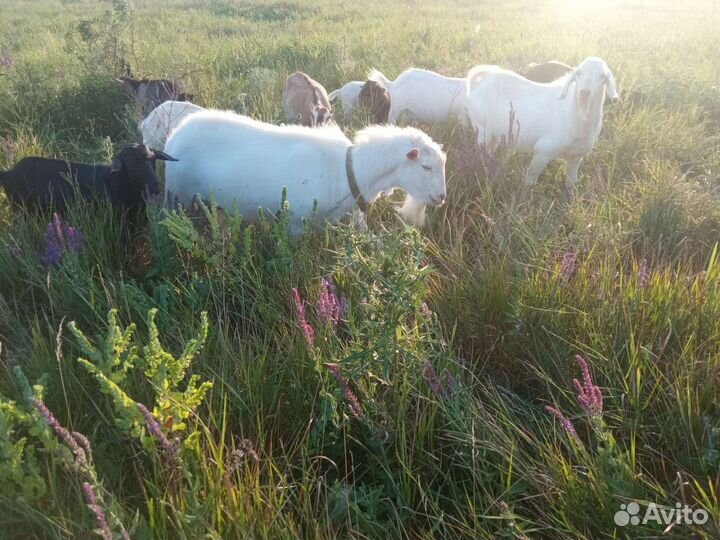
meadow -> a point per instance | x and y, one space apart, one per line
187 379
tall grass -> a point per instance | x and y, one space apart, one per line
205 377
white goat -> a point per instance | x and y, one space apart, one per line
156 127
349 95
240 159
561 119
426 96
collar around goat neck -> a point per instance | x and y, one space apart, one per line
352 182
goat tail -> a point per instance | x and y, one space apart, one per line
476 74
375 75
332 95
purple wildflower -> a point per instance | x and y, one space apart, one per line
567 268
83 442
450 382
344 307
307 330
442 389
643 273
433 380
57 227
589 395
5 59
74 238
349 395
63 434
328 305
59 239
566 424
155 430
53 248
425 310
100 517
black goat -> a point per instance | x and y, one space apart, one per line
46 182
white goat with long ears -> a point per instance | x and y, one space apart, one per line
246 162
561 119
425 96
156 127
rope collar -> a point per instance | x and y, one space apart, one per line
352 182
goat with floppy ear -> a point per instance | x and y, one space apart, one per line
560 119
592 76
325 173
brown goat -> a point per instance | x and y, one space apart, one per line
305 101
375 98
547 71
150 93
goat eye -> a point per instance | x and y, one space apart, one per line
427 167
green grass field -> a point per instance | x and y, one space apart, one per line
421 413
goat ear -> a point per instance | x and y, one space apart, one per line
611 86
158 154
570 80
413 154
115 165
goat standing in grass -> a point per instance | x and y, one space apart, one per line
248 163
425 96
561 119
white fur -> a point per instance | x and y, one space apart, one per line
240 159
561 119
349 95
156 127
426 96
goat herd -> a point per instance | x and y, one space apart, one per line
553 111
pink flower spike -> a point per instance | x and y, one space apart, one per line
589 395
307 330
564 422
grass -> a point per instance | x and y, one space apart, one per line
422 412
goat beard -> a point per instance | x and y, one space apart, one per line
413 212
